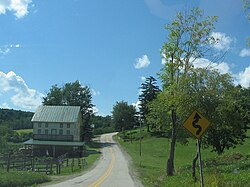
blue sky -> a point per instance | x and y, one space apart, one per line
110 46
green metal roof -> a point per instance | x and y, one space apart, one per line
59 143
60 114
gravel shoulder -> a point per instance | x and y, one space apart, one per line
132 171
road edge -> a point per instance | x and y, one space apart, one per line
132 171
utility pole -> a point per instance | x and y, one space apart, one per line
140 134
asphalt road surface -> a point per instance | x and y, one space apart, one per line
111 171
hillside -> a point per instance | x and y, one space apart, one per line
15 119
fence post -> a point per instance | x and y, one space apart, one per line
51 166
8 162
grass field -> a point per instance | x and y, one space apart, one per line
24 131
230 169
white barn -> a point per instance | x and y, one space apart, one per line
57 126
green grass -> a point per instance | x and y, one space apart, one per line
24 131
230 169
21 178
91 159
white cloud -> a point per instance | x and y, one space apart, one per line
6 49
143 78
137 105
94 93
95 110
23 97
222 67
223 41
5 105
142 62
245 52
19 7
205 63
244 77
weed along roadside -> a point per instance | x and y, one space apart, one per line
228 169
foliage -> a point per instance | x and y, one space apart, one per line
102 124
16 137
149 91
247 8
243 97
15 119
215 96
21 178
188 40
3 141
73 94
123 116
157 118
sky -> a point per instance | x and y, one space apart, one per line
110 46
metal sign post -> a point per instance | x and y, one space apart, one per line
197 124
200 162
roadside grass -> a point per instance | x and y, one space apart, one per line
21 178
230 169
90 160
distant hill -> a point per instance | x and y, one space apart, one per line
15 119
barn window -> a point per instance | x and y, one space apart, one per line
60 132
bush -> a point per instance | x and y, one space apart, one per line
103 130
21 178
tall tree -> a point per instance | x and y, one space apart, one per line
123 116
243 97
189 39
247 8
73 94
215 96
149 91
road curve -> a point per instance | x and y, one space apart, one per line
111 170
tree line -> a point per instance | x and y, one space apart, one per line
15 119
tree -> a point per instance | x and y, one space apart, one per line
189 39
149 91
215 96
123 116
244 101
156 117
3 141
54 96
247 8
102 124
74 94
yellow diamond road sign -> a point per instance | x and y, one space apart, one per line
196 124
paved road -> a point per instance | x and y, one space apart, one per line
111 171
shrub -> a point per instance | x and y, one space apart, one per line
21 178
